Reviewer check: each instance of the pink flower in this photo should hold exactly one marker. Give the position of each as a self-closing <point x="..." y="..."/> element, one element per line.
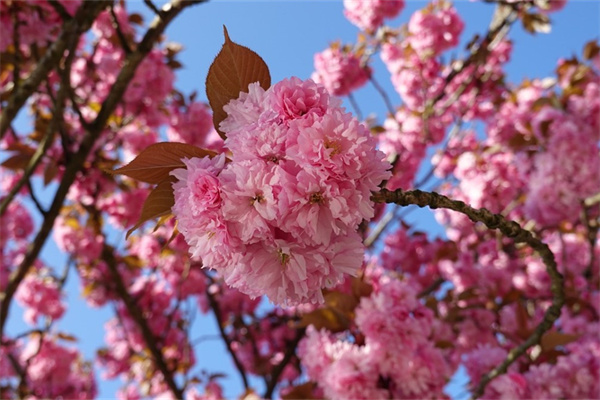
<point x="340" y="71"/>
<point x="249" y="201"/>
<point x="293" y="98"/>
<point x="435" y="29"/>
<point x="192" y="125"/>
<point x="40" y="296"/>
<point x="280" y="218"/>
<point x="368" y="15"/>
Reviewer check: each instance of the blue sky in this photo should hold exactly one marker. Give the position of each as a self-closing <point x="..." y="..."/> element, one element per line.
<point x="287" y="34"/>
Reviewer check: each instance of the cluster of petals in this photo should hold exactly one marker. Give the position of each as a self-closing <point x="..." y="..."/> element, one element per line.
<point x="55" y="371"/>
<point x="340" y="71"/>
<point x="397" y="359"/>
<point x="369" y="15"/>
<point x="435" y="28"/>
<point x="280" y="219"/>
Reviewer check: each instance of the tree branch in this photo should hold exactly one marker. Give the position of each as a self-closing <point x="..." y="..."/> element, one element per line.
<point x="74" y="27"/>
<point x="238" y="364"/>
<point x="512" y="230"/>
<point x="170" y="11"/>
<point x="287" y="357"/>
<point x="137" y="315"/>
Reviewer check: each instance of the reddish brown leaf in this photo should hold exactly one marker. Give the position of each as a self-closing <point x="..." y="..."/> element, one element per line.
<point x="17" y="162"/>
<point x="327" y="318"/>
<point x="552" y="339"/>
<point x="234" y="68"/>
<point x="50" y="173"/>
<point x="361" y="288"/>
<point x="303" y="391"/>
<point x="591" y="50"/>
<point x="159" y="203"/>
<point x="156" y="161"/>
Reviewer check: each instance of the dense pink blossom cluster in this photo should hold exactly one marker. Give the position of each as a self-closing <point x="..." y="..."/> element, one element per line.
<point x="397" y="359"/>
<point x="57" y="371"/>
<point x="369" y="15"/>
<point x="280" y="218"/>
<point x="40" y="296"/>
<point x="435" y="28"/>
<point x="340" y="70"/>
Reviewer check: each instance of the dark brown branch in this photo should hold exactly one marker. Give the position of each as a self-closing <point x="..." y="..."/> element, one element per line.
<point x="510" y="229"/>
<point x="95" y="129"/>
<point x="60" y="10"/>
<point x="120" y="34"/>
<point x="151" y="6"/>
<point x="214" y="305"/>
<point x="81" y="22"/>
<point x="278" y="369"/>
<point x="137" y="315"/>
<point x="53" y="126"/>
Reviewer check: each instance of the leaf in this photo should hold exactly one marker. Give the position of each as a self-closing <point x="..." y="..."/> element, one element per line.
<point x="591" y="50"/>
<point x="534" y="23"/>
<point x="360" y="288"/>
<point x="50" y="173"/>
<point x="159" y="203"/>
<point x="234" y="68"/>
<point x="156" y="161"/>
<point x="136" y="18"/>
<point x="327" y="318"/>
<point x="303" y="391"/>
<point x="66" y="337"/>
<point x="17" y="162"/>
<point x="552" y="339"/>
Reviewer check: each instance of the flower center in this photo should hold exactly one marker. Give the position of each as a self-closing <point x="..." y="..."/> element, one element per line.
<point x="283" y="258"/>
<point x="316" y="197"/>
<point x="334" y="145"/>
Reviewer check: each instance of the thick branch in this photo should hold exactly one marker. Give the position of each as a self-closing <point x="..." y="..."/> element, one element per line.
<point x="512" y="230"/>
<point x="137" y="315"/>
<point x="278" y="369"/>
<point x="127" y="72"/>
<point x="74" y="27"/>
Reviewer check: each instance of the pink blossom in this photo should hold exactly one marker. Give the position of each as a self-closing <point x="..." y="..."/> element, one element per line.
<point x="57" y="371"/>
<point x="40" y="296"/>
<point x="369" y="15"/>
<point x="192" y="124"/>
<point x="280" y="218"/>
<point x="80" y="241"/>
<point x="435" y="29"/>
<point x="340" y="71"/>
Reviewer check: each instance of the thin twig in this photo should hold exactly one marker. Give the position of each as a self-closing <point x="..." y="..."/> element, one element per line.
<point x="355" y="106"/>
<point x="151" y="5"/>
<point x="214" y="305"/>
<point x="120" y="34"/>
<point x="512" y="230"/>
<point x="384" y="96"/>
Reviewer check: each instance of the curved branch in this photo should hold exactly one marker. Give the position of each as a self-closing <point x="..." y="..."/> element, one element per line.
<point x="512" y="230"/>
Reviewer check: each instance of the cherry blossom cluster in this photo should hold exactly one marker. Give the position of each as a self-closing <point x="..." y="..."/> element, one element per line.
<point x="395" y="357"/>
<point x="280" y="219"/>
<point x="340" y="70"/>
<point x="369" y="15"/>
